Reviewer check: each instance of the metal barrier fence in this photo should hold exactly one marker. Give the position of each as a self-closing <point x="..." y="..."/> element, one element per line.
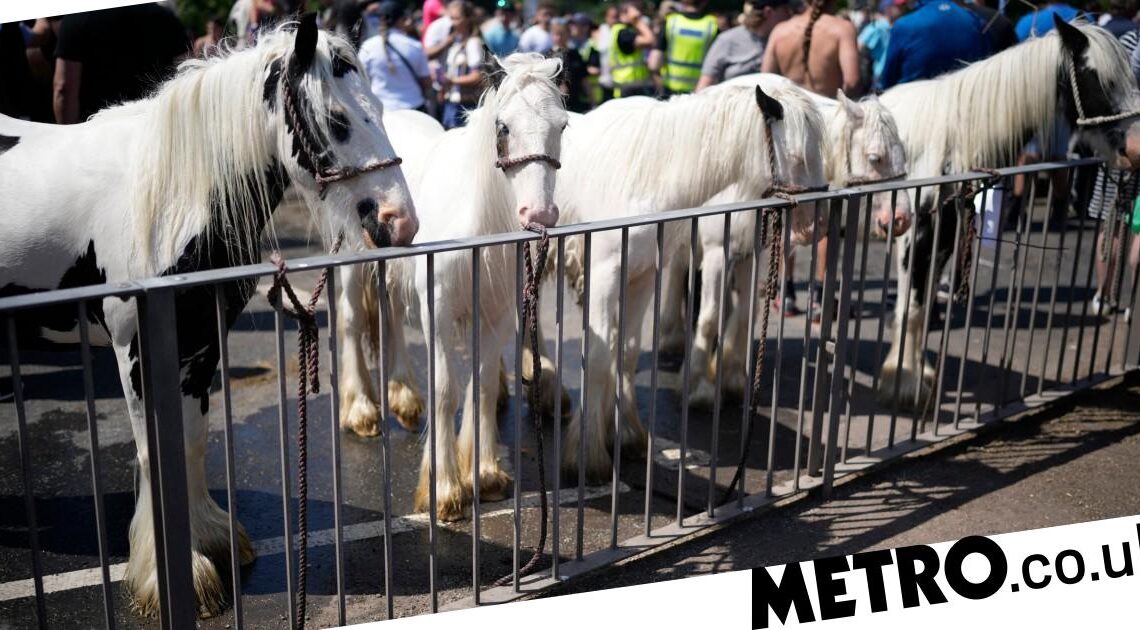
<point x="1023" y="335"/>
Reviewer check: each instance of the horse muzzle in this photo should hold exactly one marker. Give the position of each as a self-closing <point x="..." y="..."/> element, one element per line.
<point x="545" y="215"/>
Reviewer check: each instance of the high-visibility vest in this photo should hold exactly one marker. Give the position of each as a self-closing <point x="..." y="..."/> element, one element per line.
<point x="630" y="70"/>
<point x="687" y="42"/>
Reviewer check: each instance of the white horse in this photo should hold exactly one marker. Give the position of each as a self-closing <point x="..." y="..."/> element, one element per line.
<point x="865" y="147"/>
<point x="182" y="181"/>
<point x="508" y="155"/>
<point x="981" y="116"/>
<point x="624" y="161"/>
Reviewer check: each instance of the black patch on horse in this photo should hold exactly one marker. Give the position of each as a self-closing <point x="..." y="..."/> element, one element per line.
<point x="61" y="317"/>
<point x="272" y="80"/>
<point x="341" y="65"/>
<point x="7" y="142"/>
<point x="339" y="126"/>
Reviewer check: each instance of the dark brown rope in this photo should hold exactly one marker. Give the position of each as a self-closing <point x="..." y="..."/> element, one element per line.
<point x="963" y="197"/>
<point x="774" y="238"/>
<point x="308" y="358"/>
<point x="531" y="287"/>
<point x="507" y="162"/>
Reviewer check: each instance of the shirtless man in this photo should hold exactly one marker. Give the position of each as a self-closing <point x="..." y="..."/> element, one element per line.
<point x="828" y="42"/>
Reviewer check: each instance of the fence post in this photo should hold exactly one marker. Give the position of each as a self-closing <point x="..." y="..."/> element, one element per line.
<point x="840" y="357"/>
<point x="819" y="399"/>
<point x="158" y="351"/>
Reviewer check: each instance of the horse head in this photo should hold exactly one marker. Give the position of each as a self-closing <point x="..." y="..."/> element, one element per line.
<point x="795" y="147"/>
<point x="524" y="110"/>
<point x="871" y="150"/>
<point x="333" y="142"/>
<point x="1098" y="92"/>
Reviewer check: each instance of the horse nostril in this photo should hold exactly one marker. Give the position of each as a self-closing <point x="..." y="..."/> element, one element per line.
<point x="366" y="207"/>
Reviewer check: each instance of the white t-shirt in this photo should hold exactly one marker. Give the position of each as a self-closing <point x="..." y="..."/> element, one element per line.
<point x="463" y="57"/>
<point x="395" y="81"/>
<point x="437" y="31"/>
<point x="535" y="39"/>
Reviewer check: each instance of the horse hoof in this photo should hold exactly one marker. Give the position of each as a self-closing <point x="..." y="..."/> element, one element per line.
<point x="913" y="392"/>
<point x="407" y="405"/>
<point x="450" y="501"/>
<point x="360" y="416"/>
<point x="493" y="485"/>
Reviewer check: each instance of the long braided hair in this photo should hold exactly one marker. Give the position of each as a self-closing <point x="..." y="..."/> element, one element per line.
<point x="816" y="11"/>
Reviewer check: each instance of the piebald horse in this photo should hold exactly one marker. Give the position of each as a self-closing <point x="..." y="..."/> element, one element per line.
<point x="508" y="155"/>
<point x="865" y="147"/>
<point x="626" y="161"/>
<point x="981" y="116"/>
<point x="182" y="181"/>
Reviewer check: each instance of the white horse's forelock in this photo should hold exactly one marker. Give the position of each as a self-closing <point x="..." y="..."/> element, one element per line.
<point x="977" y="116"/>
<point x="204" y="151"/>
<point x="877" y="122"/>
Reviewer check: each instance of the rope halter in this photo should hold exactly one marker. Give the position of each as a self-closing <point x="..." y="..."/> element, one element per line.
<point x="1082" y="119"/>
<point x="308" y="141"/>
<point x="777" y="188"/>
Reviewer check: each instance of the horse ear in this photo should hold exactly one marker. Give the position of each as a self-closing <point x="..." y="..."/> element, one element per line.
<point x="492" y="69"/>
<point x="772" y="108"/>
<point x="304" y="45"/>
<point x="854" y="112"/>
<point x="1071" y="36"/>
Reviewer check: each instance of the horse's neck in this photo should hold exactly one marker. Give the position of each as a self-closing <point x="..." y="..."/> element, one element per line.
<point x="479" y="202"/>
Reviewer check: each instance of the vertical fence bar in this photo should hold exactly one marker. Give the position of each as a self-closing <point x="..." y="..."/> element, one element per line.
<point x="475" y="420"/>
<point x="785" y="274"/>
<point x="983" y="365"/>
<point x="286" y="492"/>
<point x="1016" y="281"/>
<point x="660" y="263"/>
<point x="719" y="360"/>
<point x="686" y="376"/>
<point x="1053" y="299"/>
<point x="827" y="317"/>
<point x="878" y="365"/>
<point x="854" y="371"/>
<point x="385" y="442"/>
<point x="1037" y="288"/>
<point x="804" y="361"/>
<point x="231" y="472"/>
<point x="623" y="277"/>
<point x="1072" y="286"/>
<point x="583" y="393"/>
<point x="26" y="476"/>
<point x="96" y="470"/>
<point x="970" y="311"/>
<point x="167" y="452"/>
<point x="931" y="303"/>
<point x="939" y="375"/>
<point x="433" y="453"/>
<point x="334" y="433"/>
<point x="520" y="327"/>
<point x="1088" y="283"/>
<point x="746" y="419"/>
<point x="901" y="341"/>
<point x="840" y="358"/>
<point x="560" y="287"/>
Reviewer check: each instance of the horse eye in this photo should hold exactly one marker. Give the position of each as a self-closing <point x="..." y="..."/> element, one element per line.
<point x="501" y="129"/>
<point x="874" y="158"/>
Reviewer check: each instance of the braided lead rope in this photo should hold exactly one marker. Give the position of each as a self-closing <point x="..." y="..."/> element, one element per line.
<point x="308" y="358"/>
<point x="963" y="199"/>
<point x="774" y="239"/>
<point x="308" y="141"/>
<point x="1082" y="120"/>
<point x="507" y="162"/>
<point x="532" y="284"/>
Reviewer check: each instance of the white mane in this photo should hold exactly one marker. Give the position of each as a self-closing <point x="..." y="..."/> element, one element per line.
<point x="679" y="153"/>
<point x="978" y="116"/>
<point x="204" y="150"/>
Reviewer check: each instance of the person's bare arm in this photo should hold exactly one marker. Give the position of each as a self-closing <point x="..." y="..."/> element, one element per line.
<point x="65" y="91"/>
<point x="471" y="79"/>
<point x="849" y="57"/>
<point x="770" y="63"/>
<point x="645" y="37"/>
<point x="434" y="51"/>
<point x="705" y="81"/>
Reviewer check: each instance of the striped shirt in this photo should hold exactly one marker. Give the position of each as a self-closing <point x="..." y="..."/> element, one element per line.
<point x="1104" y="191"/>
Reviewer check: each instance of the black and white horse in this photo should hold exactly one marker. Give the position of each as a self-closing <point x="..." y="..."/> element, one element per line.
<point x="980" y="117"/>
<point x="183" y="181"/>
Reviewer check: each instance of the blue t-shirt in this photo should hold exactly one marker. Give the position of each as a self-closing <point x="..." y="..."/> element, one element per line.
<point x="936" y="37"/>
<point x="874" y="37"/>
<point x="1039" y="22"/>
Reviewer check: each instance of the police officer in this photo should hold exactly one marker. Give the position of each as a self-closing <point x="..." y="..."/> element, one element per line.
<point x="684" y="42"/>
<point x="630" y="38"/>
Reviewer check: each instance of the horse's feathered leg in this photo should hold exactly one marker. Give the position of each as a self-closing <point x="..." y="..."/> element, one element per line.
<point x="358" y="409"/>
<point x="493" y="480"/>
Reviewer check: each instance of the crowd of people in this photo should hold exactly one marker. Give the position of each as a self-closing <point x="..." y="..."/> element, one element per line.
<point x="434" y="56"/>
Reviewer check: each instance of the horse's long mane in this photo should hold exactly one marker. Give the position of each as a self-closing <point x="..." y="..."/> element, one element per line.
<point x="679" y="153"/>
<point x="204" y="152"/>
<point x="979" y="116"/>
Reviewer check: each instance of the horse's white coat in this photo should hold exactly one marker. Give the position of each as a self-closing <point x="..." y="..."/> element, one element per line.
<point x="629" y="159"/>
<point x="459" y="192"/>
<point x="145" y="187"/>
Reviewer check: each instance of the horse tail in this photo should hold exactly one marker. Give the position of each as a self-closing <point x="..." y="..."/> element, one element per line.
<point x="371" y="309"/>
<point x="816" y="11"/>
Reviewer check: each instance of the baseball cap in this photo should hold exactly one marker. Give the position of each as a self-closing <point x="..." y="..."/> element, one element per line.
<point x="391" y="10"/>
<point x="752" y="5"/>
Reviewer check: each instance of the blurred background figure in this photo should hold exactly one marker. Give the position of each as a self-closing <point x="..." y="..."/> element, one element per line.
<point x="603" y="41"/>
<point x="1118" y="20"/>
<point x="572" y="80"/>
<point x="631" y="39"/>
<point x="997" y="26"/>
<point x="935" y="37"/>
<point x="1039" y="22"/>
<point x="815" y="49"/>
<point x="432" y="11"/>
<point x="396" y="63"/>
<point x="215" y="30"/>
<point x="876" y="34"/>
<point x="683" y="43"/>
<point x="114" y="55"/>
<point x="740" y="49"/>
<point x="537" y="38"/>
<point x="500" y="32"/>
<point x="461" y="80"/>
